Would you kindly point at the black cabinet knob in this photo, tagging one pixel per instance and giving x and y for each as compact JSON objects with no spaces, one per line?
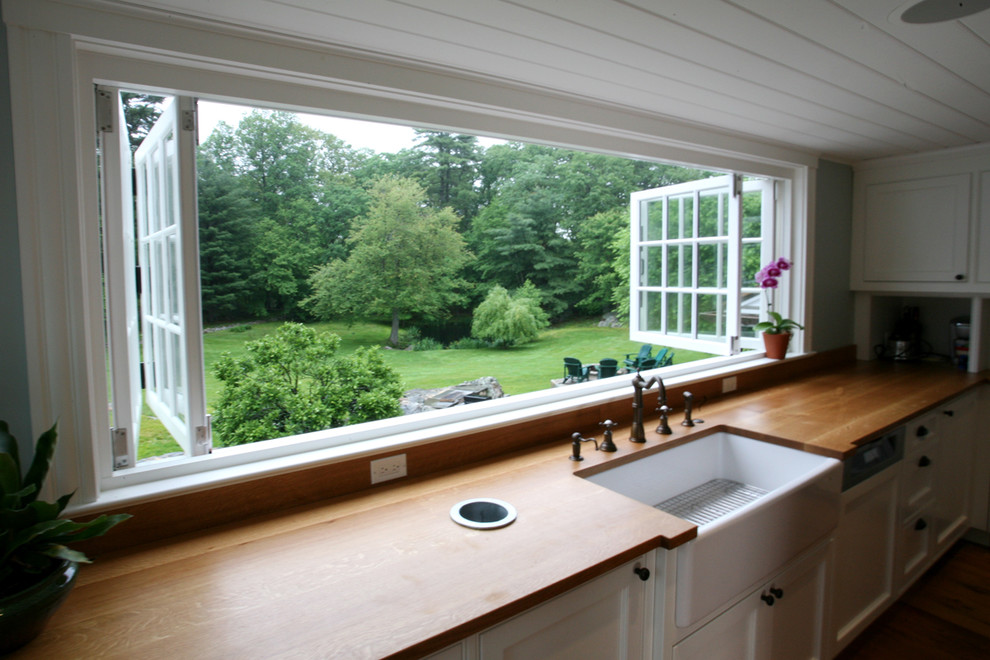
{"x":922,"y":431}
{"x":767,"y":598}
{"x":921,"y":524}
{"x":948,"y":413}
{"x":777,"y":591}
{"x":924,"y":461}
{"x":643,"y":573}
{"x":960,"y":277}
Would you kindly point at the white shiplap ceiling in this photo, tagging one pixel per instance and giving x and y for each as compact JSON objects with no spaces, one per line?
{"x":841,"y":78}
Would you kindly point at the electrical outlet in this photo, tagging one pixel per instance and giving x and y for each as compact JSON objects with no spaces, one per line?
{"x":728,"y":384}
{"x":390,"y":467}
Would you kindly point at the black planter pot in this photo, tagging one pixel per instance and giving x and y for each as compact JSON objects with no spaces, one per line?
{"x":23,"y":615}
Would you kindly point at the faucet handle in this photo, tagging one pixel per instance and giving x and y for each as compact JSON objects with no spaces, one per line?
{"x":607,"y":443}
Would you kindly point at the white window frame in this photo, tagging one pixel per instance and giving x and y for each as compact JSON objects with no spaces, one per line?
{"x":730,"y":285}
{"x":58,"y":214}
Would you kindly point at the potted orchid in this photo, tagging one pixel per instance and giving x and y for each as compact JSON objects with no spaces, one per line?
{"x":777,"y":331}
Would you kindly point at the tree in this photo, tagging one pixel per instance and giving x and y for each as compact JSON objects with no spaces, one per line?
{"x":599,"y":259}
{"x":405,"y":260}
{"x":293,"y":382}
{"x":141,"y":111}
{"x":510,"y":320}
{"x":448,"y":170}
{"x":227,"y":239}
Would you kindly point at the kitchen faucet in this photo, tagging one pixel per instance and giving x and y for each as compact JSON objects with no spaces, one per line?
{"x":639,"y":384}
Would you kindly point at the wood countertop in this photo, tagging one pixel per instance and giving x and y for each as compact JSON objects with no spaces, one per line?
{"x":386,"y":573}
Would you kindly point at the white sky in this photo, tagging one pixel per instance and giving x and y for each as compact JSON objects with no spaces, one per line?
{"x":381,"y":138}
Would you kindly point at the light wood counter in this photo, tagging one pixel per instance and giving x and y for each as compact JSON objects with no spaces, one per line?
{"x":386,"y":573}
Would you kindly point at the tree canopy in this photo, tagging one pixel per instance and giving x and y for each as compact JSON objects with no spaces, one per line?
{"x":405,"y":260}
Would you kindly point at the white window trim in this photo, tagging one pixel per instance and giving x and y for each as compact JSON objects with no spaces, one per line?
{"x":52,"y":75}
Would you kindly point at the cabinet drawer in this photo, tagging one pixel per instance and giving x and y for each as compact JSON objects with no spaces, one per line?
{"x":917,"y":479}
{"x":920,"y":432}
{"x":915,"y":546}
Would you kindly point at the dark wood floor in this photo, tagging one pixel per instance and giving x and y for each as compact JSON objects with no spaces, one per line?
{"x":945,"y":614}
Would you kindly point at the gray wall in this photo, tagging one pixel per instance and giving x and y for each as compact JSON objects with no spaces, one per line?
{"x":832,"y":303}
{"x":14,"y":402}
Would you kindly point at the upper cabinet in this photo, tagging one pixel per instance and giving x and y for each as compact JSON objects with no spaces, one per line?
{"x":921,"y":224}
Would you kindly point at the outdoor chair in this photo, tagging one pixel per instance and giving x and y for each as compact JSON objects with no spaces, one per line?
{"x":607,"y":367}
{"x":573,"y":371}
{"x":644,"y":354}
{"x":667,"y":360}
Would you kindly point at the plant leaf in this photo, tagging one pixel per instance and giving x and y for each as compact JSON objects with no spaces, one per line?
{"x":10,"y":476}
{"x":62,"y":552}
{"x":8,"y":445}
{"x":44,"y":450}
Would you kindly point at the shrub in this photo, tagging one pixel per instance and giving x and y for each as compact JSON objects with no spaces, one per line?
{"x":426,"y":344}
{"x":292,"y":382}
{"x":508,"y":320}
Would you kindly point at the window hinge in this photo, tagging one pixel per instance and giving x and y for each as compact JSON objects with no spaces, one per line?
{"x":204,"y":436}
{"x":734,"y":348}
{"x":737,"y":185}
{"x":105,"y":110}
{"x":137,"y":278}
{"x":121,"y":450}
{"x":143,"y":383}
{"x":189,"y":120}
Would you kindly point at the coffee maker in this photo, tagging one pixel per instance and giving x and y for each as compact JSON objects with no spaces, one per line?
{"x":904,"y":342}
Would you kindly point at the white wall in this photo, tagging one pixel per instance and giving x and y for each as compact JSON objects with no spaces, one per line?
{"x":14,"y":403}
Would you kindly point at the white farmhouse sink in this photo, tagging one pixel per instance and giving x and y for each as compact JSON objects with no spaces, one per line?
{"x":789,"y":500}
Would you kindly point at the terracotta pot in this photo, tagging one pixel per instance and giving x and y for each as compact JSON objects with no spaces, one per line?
{"x":24,"y":614}
{"x":776,"y":345}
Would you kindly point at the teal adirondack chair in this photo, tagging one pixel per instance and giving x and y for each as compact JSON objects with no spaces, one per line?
{"x":573,"y":371}
{"x":607,"y":367}
{"x":642,"y":356}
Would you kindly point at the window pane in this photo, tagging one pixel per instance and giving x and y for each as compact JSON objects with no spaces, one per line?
{"x":750,"y":263}
{"x":679,"y":264}
{"x":712,"y":215}
{"x":679,"y":314}
{"x":752,"y":214}
{"x":650,"y":314}
{"x":652,"y":274}
{"x":651,"y":220}
{"x":712,"y":310}
{"x":713,"y":265}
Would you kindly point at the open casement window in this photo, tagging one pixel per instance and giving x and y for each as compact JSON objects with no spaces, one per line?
{"x":153,"y":310}
{"x":696,"y":249}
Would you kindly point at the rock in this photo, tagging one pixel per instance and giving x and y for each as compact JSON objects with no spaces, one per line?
{"x":610,"y":321}
{"x":421,"y":400}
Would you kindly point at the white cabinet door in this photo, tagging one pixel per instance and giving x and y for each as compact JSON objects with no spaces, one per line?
{"x":800,"y":609}
{"x":738,"y":633}
{"x":953,"y":473}
{"x":605,"y":618}
{"x":917,"y":230}
{"x":864,"y":555}
{"x":782,"y":620}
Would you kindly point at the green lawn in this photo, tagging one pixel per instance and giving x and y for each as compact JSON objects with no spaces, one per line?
{"x":521,"y":369}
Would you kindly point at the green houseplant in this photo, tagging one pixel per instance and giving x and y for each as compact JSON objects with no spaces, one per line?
{"x":37,"y":569}
{"x":778,"y":330}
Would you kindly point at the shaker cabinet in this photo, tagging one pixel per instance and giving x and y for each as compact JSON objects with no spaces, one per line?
{"x":863,"y":580}
{"x":917,"y":230}
{"x":953,"y":474}
{"x":783,"y":619}
{"x":605,"y":618}
{"x":922,"y":224}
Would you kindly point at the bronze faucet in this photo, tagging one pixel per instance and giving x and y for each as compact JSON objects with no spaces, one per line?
{"x":638,"y":434}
